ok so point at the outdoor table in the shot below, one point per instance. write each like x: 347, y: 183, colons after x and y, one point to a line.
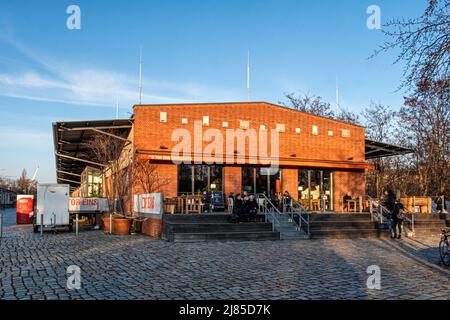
x: 194, y: 204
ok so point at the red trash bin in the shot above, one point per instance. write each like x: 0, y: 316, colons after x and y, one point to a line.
x: 24, y: 209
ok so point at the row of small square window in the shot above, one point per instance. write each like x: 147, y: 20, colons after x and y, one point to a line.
x: 245, y: 124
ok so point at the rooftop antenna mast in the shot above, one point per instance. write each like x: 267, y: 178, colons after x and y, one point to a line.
x: 248, y: 75
x: 140, y: 75
x: 337, y: 98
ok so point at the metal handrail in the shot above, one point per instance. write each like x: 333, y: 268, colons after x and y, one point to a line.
x: 383, y: 208
x: 269, y: 212
x: 299, y: 211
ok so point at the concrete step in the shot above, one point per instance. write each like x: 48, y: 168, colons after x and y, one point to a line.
x: 197, y: 218
x: 226, y: 236
x: 340, y: 217
x: 349, y: 234
x: 219, y: 227
x: 424, y: 216
x: 326, y: 225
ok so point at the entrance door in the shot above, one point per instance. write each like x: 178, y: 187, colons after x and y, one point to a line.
x: 268, y: 180
x: 316, y: 189
x: 260, y: 180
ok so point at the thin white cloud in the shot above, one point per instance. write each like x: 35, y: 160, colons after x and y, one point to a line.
x: 13, y: 138
x: 69, y: 84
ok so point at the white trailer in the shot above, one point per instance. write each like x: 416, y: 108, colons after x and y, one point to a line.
x: 52, y: 207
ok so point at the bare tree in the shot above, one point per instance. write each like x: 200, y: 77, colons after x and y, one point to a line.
x: 379, y: 122
x: 424, y: 43
x: 107, y: 150
x: 424, y: 125
x: 146, y: 176
x: 308, y: 103
x: 347, y: 116
x: 316, y: 105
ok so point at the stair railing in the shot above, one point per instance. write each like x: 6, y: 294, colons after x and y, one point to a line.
x: 270, y: 212
x: 384, y: 213
x: 296, y: 209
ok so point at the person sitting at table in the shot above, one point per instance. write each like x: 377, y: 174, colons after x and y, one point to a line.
x: 347, y: 197
x: 236, y: 209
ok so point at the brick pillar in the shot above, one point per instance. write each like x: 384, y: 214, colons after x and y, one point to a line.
x: 289, y: 178
x: 232, y: 179
x: 152, y: 227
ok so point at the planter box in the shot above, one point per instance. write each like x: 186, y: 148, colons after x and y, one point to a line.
x: 152, y: 227
x: 120, y: 226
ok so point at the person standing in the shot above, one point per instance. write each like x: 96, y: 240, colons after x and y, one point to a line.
x: 389, y: 200
x: 398, y: 216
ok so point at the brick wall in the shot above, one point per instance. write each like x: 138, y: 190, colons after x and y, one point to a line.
x: 348, y: 181
x: 152, y: 227
x: 232, y: 179
x: 152, y: 135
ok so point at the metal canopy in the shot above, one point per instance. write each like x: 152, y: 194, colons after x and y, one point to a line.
x: 71, y: 155
x: 375, y: 149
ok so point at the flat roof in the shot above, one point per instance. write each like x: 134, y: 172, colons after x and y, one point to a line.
x: 71, y: 155
x: 376, y: 149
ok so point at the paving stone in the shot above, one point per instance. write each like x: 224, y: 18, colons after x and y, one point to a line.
x: 138, y: 267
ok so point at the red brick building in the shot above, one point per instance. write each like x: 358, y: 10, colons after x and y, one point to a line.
x: 319, y: 159
x: 317, y: 156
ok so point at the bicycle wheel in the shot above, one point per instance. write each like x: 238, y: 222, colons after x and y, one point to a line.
x: 444, y: 252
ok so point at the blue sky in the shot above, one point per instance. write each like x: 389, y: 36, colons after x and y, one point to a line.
x: 193, y: 51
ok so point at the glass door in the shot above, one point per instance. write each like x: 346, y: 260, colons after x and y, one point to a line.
x: 261, y: 180
x: 316, y: 189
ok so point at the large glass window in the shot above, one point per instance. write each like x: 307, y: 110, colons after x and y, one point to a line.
x: 303, y: 185
x: 216, y: 178
x: 248, y: 176
x: 316, y: 189
x: 327, y: 187
x: 200, y: 179
x: 184, y: 179
x: 195, y: 179
x: 259, y: 180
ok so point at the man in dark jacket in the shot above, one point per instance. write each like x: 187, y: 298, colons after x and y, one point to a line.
x: 389, y: 200
x: 397, y: 219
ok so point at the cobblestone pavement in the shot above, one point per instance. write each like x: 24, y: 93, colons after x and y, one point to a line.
x: 137, y: 267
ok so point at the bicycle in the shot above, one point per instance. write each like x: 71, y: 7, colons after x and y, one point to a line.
x: 444, y: 248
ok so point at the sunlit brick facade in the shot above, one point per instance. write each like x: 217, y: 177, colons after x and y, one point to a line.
x: 318, y: 157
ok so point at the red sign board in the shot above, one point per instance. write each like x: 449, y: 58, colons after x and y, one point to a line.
x: 24, y: 209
